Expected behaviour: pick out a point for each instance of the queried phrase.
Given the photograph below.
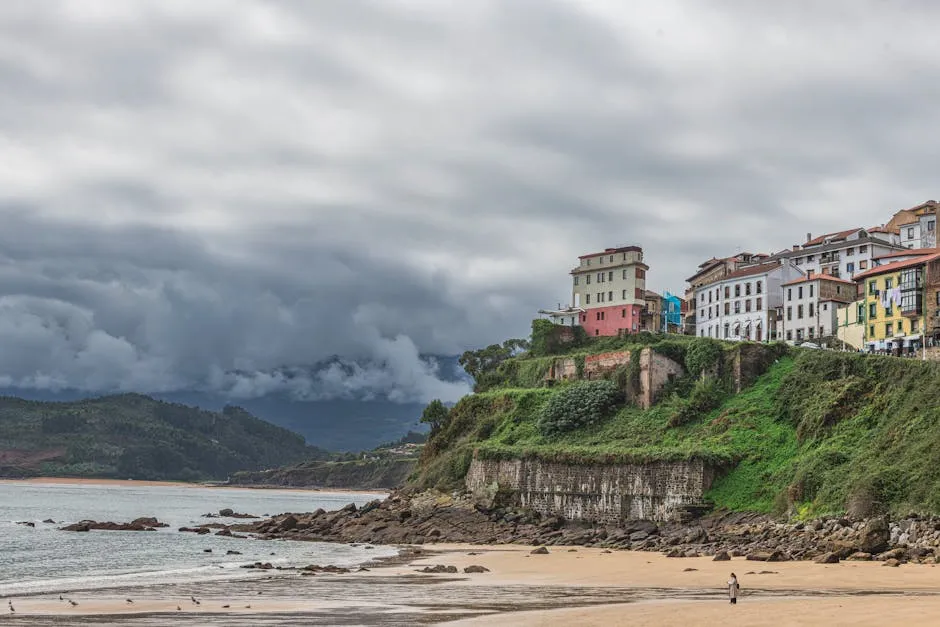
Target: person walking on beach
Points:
(733, 589)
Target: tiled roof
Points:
(611, 251)
(897, 265)
(822, 238)
(819, 277)
(910, 252)
(752, 270)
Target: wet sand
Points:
(576, 585)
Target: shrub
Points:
(582, 404)
(703, 353)
(705, 396)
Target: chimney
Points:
(796, 247)
(809, 236)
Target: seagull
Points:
(72, 603)
(61, 598)
(12, 611)
(178, 609)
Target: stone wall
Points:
(595, 492)
(595, 366)
(655, 372)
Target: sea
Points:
(44, 559)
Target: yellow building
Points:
(850, 323)
(894, 303)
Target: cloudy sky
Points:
(196, 194)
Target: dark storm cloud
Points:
(217, 195)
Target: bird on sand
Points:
(225, 607)
(178, 608)
(12, 609)
(72, 603)
(61, 598)
(248, 607)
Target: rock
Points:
(765, 556)
(891, 562)
(49, 521)
(350, 508)
(207, 550)
(859, 556)
(233, 552)
(288, 523)
(438, 569)
(721, 556)
(539, 551)
(827, 558)
(896, 554)
(140, 524)
(476, 569)
(874, 536)
(223, 532)
(637, 536)
(689, 570)
(225, 513)
(149, 521)
(27, 523)
(338, 570)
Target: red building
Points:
(610, 286)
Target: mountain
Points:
(336, 424)
(139, 437)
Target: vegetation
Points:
(820, 432)
(137, 437)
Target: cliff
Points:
(382, 474)
(748, 428)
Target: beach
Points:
(583, 586)
(133, 483)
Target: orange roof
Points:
(881, 229)
(609, 251)
(819, 277)
(897, 265)
(915, 220)
(839, 235)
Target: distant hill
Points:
(138, 437)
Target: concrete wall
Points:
(655, 372)
(597, 492)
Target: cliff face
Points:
(604, 493)
(356, 475)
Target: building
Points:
(651, 318)
(743, 304)
(917, 226)
(843, 254)
(901, 303)
(709, 272)
(610, 287)
(672, 310)
(850, 322)
(810, 306)
(564, 316)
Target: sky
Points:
(200, 195)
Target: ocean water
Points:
(44, 559)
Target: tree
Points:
(435, 414)
(479, 362)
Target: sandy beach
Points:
(641, 589)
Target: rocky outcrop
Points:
(138, 524)
(604, 493)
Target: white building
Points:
(810, 306)
(564, 316)
(742, 305)
(843, 254)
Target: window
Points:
(914, 326)
(587, 279)
(850, 267)
(873, 287)
(789, 313)
(597, 331)
(709, 296)
(758, 287)
(810, 258)
(811, 310)
(871, 330)
(623, 313)
(600, 277)
(611, 259)
(811, 286)
(624, 297)
(640, 273)
(737, 306)
(575, 279)
(930, 226)
(747, 289)
(789, 293)
(638, 293)
(812, 332)
(737, 290)
(873, 310)
(863, 264)
(799, 292)
(910, 234)
(760, 304)
(862, 250)
(849, 252)
(937, 295)
(727, 292)
(587, 299)
(825, 306)
(610, 297)
(889, 283)
(789, 335)
(860, 312)
(889, 310)
(600, 297)
(610, 275)
(747, 305)
(889, 329)
(727, 329)
(728, 306)
(799, 312)
(625, 273)
(798, 261)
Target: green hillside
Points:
(134, 436)
(819, 432)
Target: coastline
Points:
(586, 586)
(177, 484)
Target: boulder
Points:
(233, 552)
(892, 562)
(476, 569)
(895, 554)
(438, 569)
(874, 536)
(765, 556)
(827, 558)
(226, 512)
(49, 521)
(539, 551)
(721, 556)
(288, 523)
(859, 556)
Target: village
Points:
(874, 290)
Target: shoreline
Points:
(585, 586)
(177, 484)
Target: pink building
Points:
(610, 288)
